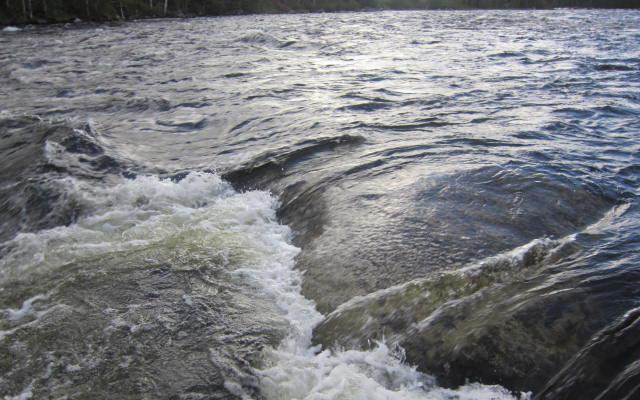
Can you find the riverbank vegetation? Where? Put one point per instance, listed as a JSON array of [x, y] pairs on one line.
[[44, 11]]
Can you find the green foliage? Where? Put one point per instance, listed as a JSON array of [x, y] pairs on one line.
[[34, 11]]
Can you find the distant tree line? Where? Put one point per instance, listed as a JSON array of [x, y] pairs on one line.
[[42, 11]]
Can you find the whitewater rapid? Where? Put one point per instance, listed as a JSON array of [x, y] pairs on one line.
[[210, 219]]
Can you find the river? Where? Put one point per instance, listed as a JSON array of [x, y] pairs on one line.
[[375, 205]]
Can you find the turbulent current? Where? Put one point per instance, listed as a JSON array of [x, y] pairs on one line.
[[379, 205]]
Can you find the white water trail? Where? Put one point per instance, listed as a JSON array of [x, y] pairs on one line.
[[298, 370]]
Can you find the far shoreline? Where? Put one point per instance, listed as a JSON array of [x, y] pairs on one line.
[[79, 22]]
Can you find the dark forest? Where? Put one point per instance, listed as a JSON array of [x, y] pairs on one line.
[[47, 11]]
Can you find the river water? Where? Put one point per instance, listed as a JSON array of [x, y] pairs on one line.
[[382, 205]]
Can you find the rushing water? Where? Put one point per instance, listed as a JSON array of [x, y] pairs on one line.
[[409, 205]]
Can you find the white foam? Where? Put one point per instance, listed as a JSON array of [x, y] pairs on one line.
[[32, 322], [25, 310], [73, 368], [11, 29], [135, 213], [26, 394], [378, 374]]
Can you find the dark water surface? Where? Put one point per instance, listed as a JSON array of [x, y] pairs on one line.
[[196, 208]]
